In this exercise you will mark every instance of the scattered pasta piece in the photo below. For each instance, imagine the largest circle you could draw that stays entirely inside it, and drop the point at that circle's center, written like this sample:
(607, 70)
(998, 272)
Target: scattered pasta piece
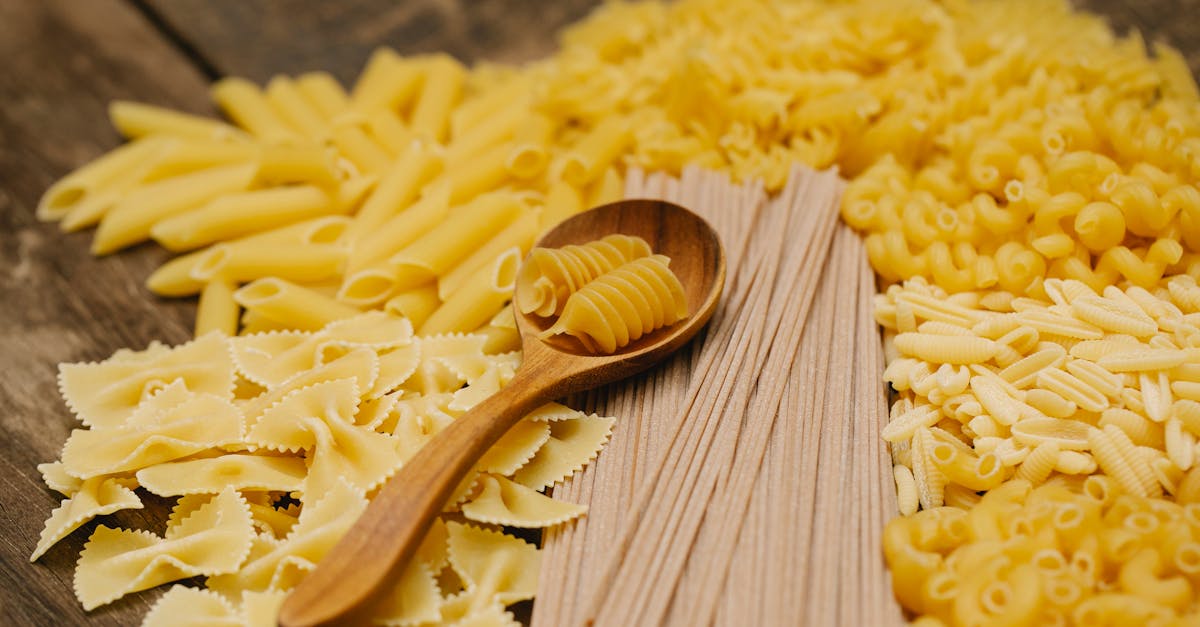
(212, 539)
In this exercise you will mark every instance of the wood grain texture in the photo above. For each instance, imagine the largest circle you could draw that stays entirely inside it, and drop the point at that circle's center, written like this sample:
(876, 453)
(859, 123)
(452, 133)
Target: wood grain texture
(258, 39)
(64, 61)
(1176, 22)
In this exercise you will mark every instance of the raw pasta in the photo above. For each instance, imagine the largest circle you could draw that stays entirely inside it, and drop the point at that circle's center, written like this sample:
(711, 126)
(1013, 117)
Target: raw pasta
(622, 305)
(271, 443)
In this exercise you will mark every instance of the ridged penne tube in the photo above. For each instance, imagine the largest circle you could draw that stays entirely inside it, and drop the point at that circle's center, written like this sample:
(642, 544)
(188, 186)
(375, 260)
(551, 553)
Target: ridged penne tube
(190, 155)
(622, 305)
(440, 92)
(529, 153)
(254, 322)
(324, 93)
(386, 128)
(174, 278)
(353, 143)
(415, 304)
(399, 230)
(302, 263)
(246, 105)
(593, 153)
(217, 310)
(85, 184)
(499, 130)
(479, 297)
(397, 188)
(945, 349)
(519, 234)
(235, 215)
(481, 110)
(977, 473)
(370, 286)
(291, 105)
(296, 164)
(481, 173)
(466, 229)
(135, 119)
(130, 221)
(386, 82)
(286, 302)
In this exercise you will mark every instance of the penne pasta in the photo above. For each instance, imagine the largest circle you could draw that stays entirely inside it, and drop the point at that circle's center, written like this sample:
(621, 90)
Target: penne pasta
(135, 119)
(246, 105)
(387, 82)
(291, 304)
(302, 263)
(593, 153)
(236, 215)
(466, 228)
(441, 90)
(291, 105)
(131, 220)
(83, 196)
(478, 298)
(398, 231)
(397, 188)
(217, 310)
(416, 304)
(520, 234)
(323, 93)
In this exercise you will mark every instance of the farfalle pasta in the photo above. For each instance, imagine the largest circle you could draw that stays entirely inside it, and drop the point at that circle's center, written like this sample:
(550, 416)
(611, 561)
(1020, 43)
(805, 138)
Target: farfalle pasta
(271, 472)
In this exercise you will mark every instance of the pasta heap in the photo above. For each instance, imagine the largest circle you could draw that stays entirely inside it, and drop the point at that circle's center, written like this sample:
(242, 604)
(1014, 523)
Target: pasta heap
(606, 293)
(275, 442)
(1025, 181)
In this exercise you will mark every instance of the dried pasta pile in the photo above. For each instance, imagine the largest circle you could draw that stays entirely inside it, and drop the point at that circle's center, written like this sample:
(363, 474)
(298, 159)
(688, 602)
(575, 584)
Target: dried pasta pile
(1025, 181)
(274, 443)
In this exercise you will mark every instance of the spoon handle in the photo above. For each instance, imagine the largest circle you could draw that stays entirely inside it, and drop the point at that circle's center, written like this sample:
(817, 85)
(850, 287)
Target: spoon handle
(371, 556)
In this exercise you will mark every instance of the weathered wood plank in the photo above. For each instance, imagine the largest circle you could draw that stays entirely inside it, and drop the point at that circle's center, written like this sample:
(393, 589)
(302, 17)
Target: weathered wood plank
(64, 62)
(1176, 22)
(260, 39)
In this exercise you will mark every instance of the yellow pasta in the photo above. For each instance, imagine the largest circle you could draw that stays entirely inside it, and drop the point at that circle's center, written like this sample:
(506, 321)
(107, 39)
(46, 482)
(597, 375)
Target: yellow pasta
(622, 305)
(131, 220)
(237, 215)
(480, 295)
(217, 310)
(552, 275)
(135, 119)
(290, 304)
(247, 105)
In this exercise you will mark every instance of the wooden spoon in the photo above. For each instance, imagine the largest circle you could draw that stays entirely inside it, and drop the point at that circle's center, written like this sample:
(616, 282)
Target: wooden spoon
(369, 559)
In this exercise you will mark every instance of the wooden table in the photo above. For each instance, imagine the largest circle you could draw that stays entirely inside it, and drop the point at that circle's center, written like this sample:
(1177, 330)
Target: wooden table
(64, 61)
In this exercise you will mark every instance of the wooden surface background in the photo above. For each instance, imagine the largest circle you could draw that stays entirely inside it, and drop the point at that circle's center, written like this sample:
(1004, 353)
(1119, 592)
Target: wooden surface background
(64, 61)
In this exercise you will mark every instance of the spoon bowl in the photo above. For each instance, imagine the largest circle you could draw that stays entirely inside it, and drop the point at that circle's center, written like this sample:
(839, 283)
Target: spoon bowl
(351, 578)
